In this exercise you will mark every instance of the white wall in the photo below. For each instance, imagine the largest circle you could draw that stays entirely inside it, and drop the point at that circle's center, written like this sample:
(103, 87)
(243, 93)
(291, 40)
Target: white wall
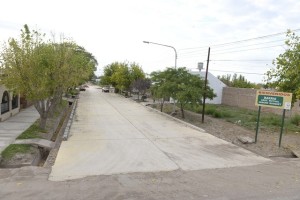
(215, 84)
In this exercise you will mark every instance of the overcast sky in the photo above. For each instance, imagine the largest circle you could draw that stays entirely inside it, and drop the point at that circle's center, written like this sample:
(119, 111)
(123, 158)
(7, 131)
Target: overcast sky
(113, 30)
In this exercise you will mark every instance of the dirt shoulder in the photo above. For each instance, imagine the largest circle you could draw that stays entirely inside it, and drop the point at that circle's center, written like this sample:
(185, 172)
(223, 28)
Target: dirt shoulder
(267, 142)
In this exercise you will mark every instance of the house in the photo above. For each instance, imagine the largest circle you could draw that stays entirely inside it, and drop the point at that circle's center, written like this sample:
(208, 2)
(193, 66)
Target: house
(214, 83)
(10, 103)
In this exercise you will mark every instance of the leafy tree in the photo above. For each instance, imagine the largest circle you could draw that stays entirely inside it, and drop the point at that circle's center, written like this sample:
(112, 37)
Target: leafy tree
(43, 71)
(163, 85)
(121, 75)
(136, 72)
(236, 81)
(180, 85)
(226, 79)
(109, 70)
(285, 76)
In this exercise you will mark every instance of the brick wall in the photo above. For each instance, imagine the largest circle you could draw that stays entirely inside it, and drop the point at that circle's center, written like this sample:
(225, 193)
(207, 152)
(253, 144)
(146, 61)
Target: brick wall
(245, 98)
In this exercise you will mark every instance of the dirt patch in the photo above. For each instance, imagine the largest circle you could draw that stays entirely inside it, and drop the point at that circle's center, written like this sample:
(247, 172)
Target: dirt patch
(267, 142)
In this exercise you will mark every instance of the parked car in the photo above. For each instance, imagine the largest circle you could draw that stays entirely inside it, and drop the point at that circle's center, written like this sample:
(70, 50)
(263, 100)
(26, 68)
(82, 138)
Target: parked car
(105, 89)
(81, 88)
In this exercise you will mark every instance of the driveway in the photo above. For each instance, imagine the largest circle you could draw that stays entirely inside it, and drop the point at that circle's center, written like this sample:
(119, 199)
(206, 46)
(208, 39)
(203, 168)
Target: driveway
(114, 135)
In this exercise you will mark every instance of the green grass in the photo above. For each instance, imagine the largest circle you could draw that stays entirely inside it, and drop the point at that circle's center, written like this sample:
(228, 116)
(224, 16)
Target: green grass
(295, 120)
(248, 118)
(32, 132)
(13, 149)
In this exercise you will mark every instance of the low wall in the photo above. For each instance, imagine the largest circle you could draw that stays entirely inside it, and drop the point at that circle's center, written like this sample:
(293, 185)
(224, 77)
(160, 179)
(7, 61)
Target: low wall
(245, 98)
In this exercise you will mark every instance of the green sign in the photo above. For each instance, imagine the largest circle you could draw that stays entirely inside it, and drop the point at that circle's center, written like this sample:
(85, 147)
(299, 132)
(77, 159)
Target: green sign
(270, 100)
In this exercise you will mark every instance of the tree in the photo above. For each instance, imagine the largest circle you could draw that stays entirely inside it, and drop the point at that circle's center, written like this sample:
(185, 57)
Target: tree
(163, 85)
(136, 72)
(191, 89)
(141, 85)
(180, 85)
(43, 71)
(121, 75)
(108, 71)
(236, 81)
(285, 76)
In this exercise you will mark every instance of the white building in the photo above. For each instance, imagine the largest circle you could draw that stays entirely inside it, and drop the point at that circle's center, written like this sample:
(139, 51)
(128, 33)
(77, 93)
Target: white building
(214, 83)
(10, 104)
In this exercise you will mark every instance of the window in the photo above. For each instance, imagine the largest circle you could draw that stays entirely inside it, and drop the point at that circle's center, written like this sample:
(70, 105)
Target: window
(5, 102)
(15, 101)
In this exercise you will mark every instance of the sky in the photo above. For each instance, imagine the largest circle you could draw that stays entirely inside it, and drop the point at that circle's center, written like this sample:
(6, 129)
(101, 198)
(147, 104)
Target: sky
(244, 36)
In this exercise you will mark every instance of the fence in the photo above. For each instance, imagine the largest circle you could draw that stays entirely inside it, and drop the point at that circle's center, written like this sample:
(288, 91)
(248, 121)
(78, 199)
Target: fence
(245, 98)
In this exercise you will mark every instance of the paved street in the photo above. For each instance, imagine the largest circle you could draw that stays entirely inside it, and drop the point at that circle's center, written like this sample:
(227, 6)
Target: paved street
(114, 135)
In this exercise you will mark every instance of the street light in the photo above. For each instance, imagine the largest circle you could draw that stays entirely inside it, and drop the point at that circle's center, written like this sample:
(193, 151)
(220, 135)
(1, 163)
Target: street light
(147, 42)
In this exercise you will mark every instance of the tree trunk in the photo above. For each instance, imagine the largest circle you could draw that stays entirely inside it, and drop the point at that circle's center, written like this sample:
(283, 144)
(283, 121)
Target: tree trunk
(45, 108)
(43, 122)
(182, 111)
(138, 96)
(162, 105)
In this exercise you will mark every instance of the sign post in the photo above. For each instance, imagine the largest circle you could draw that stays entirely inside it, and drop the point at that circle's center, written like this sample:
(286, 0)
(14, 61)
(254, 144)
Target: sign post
(257, 123)
(272, 99)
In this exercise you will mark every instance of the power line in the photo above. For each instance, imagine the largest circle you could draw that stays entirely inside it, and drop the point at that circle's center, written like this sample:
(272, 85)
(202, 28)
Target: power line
(250, 45)
(247, 49)
(225, 52)
(244, 60)
(195, 51)
(240, 41)
(236, 72)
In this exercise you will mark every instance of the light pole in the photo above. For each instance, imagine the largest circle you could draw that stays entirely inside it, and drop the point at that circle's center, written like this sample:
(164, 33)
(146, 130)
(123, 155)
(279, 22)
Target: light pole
(147, 42)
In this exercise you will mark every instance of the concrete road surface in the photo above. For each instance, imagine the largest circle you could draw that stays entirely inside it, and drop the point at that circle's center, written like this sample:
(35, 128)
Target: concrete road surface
(114, 135)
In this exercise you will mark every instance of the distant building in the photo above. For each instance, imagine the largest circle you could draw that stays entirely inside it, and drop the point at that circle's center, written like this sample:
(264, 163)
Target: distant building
(214, 83)
(10, 103)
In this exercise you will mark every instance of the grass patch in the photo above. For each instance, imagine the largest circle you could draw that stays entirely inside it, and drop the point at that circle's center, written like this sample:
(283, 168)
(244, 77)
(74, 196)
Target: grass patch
(32, 132)
(13, 149)
(248, 118)
(244, 117)
(295, 120)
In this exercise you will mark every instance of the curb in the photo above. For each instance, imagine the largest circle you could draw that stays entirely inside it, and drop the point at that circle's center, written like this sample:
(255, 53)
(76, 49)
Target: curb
(69, 124)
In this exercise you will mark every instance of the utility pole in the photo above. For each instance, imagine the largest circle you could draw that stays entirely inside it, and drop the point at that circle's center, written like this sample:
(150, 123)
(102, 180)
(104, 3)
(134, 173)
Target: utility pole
(205, 86)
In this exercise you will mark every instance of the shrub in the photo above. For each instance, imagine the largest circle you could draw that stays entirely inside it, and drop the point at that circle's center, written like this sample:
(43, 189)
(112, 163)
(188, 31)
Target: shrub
(295, 120)
(217, 114)
(226, 114)
(210, 110)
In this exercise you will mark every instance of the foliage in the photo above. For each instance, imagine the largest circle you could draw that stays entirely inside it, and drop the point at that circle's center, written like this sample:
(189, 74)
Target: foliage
(13, 149)
(44, 70)
(108, 71)
(121, 75)
(180, 85)
(237, 81)
(285, 76)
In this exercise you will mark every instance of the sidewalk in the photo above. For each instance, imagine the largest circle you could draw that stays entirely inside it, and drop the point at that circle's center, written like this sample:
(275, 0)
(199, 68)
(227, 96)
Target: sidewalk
(11, 128)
